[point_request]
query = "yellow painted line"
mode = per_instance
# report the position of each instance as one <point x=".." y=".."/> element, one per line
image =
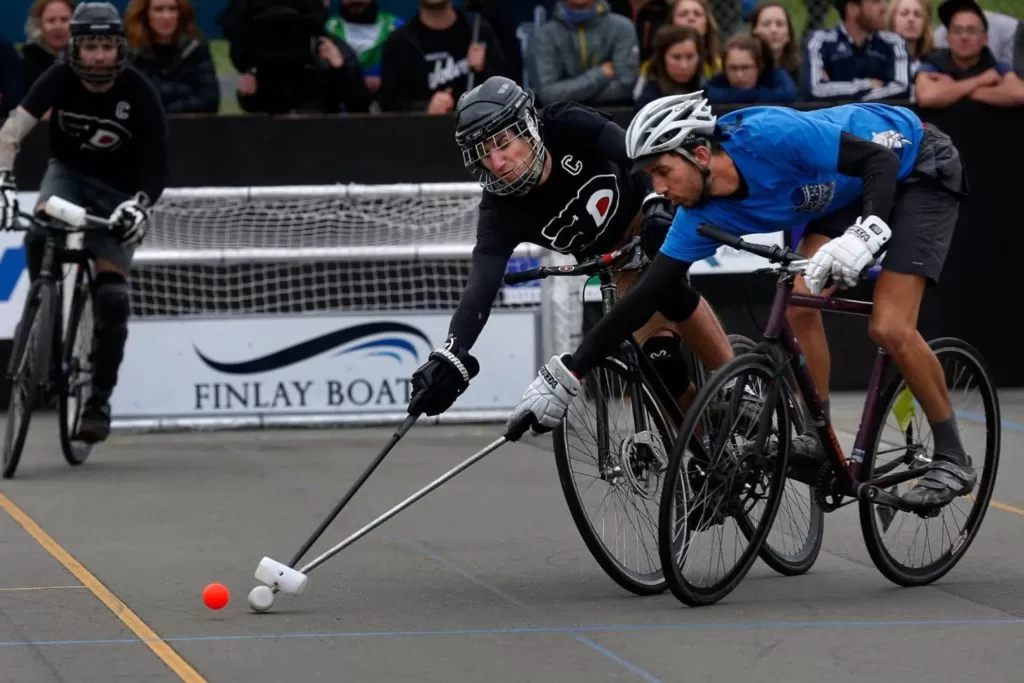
<point x="1006" y="507"/>
<point x="161" y="649"/>
<point x="36" y="588"/>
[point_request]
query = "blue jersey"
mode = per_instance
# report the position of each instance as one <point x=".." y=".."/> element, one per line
<point x="789" y="161"/>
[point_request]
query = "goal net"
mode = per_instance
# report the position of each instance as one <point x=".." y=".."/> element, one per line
<point x="290" y="254"/>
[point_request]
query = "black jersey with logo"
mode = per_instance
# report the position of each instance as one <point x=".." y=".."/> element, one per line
<point x="118" y="137"/>
<point x="584" y="208"/>
<point x="588" y="201"/>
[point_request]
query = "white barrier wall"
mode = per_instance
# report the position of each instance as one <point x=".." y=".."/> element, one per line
<point x="309" y="367"/>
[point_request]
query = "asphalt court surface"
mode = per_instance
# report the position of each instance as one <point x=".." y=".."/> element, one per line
<point x="486" y="579"/>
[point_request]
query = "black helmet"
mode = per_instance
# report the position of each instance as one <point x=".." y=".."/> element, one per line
<point x="491" y="116"/>
<point x="93" y="20"/>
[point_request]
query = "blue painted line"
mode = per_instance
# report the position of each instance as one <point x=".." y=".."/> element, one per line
<point x="451" y="566"/>
<point x="543" y="630"/>
<point x="980" y="418"/>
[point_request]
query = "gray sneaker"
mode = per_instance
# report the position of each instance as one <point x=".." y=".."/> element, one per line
<point x="943" y="482"/>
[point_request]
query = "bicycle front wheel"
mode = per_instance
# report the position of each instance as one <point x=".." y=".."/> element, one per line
<point x="30" y="367"/>
<point x="611" y="450"/>
<point x="77" y="370"/>
<point x="724" y="482"/>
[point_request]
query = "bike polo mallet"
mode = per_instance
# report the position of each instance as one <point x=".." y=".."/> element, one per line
<point x="475" y="7"/>
<point x="275" y="576"/>
<point x="285" y="577"/>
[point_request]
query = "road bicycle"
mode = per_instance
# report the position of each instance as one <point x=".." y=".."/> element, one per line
<point x="42" y="335"/>
<point x="740" y="461"/>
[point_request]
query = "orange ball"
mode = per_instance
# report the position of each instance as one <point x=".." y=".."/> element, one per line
<point x="216" y="596"/>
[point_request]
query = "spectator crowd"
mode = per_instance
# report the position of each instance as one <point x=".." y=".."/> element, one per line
<point x="333" y="56"/>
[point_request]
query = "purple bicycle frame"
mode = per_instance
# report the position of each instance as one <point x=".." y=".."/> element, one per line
<point x="779" y="330"/>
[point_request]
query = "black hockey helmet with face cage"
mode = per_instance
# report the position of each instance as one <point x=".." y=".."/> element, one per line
<point x="491" y="116"/>
<point x="96" y="20"/>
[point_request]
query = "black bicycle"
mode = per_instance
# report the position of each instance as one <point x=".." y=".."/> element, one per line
<point x="619" y="430"/>
<point x="41" y="335"/>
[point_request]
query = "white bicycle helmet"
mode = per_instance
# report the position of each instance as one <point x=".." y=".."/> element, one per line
<point x="670" y="124"/>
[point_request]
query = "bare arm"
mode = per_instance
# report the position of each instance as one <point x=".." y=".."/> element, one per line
<point x="1009" y="93"/>
<point x="17" y="127"/>
<point x="933" y="92"/>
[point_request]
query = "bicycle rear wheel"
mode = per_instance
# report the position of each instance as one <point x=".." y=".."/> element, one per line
<point x="76" y="369"/>
<point x="721" y="471"/>
<point x="611" y="470"/>
<point x="794" y="540"/>
<point x="900" y="444"/>
<point x="29" y="370"/>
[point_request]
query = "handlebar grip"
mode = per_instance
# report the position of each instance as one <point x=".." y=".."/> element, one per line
<point x="720" y="235"/>
<point x="66" y="211"/>
<point x="524" y="276"/>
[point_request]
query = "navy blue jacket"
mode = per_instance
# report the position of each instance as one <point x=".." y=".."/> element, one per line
<point x="834" y="68"/>
<point x="775" y="86"/>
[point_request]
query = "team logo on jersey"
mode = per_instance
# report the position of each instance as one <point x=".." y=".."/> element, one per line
<point x="893" y="139"/>
<point x="813" y="198"/>
<point x="123" y="110"/>
<point x="586" y="216"/>
<point x="92" y="132"/>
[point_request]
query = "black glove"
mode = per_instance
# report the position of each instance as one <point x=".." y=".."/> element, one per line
<point x="658" y="214"/>
<point x="442" y="379"/>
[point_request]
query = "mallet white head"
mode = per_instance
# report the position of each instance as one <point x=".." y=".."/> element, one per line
<point x="261" y="598"/>
<point x="280" y="576"/>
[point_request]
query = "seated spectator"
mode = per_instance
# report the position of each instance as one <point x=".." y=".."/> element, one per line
<point x="750" y="75"/>
<point x="362" y="25"/>
<point x="11" y="79"/>
<point x="675" y="68"/>
<point x="426" y="64"/>
<point x="168" y="48"/>
<point x="288" y="63"/>
<point x="586" y="54"/>
<point x="856" y="60"/>
<point x="697" y="13"/>
<point x="967" y="68"/>
<point x="47" y="35"/>
<point x="772" y="22"/>
<point x="1005" y="38"/>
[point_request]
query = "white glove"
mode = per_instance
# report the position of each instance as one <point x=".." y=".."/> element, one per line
<point x="845" y="258"/>
<point x="8" y="201"/>
<point x="545" y="402"/>
<point x="132" y="220"/>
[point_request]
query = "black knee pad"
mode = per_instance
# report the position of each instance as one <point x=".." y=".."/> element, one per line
<point x="111" y="299"/>
<point x="679" y="304"/>
<point x="666" y="355"/>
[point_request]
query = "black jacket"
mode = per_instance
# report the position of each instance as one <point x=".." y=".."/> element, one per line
<point x="183" y="74"/>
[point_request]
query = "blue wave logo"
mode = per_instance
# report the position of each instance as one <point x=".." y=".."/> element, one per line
<point x="388" y="346"/>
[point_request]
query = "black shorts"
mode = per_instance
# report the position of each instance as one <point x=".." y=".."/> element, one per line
<point x="96" y="197"/>
<point x="925" y="213"/>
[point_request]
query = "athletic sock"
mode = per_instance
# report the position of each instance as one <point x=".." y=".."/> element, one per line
<point x="947" y="441"/>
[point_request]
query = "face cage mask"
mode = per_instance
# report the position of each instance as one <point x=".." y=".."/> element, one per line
<point x="518" y="180"/>
<point x="93" y="74"/>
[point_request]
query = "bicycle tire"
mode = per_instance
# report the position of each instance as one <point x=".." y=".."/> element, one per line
<point x="75" y="452"/>
<point x="901" y="574"/>
<point x="640" y="584"/>
<point x="685" y="591"/>
<point x="32" y="355"/>
<point x="780" y="561"/>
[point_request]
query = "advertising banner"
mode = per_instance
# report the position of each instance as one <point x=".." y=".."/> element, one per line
<point x="305" y="365"/>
